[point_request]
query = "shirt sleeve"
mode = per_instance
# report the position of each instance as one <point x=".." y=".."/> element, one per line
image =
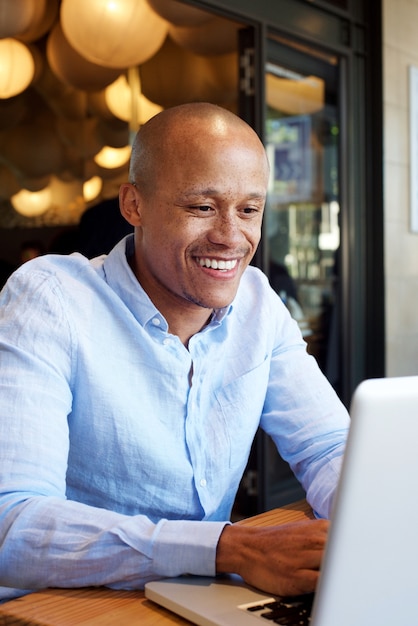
<point x="46" y="539"/>
<point x="305" y="418"/>
<point x="52" y="542"/>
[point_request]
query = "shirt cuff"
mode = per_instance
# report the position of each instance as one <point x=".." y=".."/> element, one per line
<point x="186" y="547"/>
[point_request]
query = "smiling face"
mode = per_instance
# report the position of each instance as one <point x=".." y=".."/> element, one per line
<point x="198" y="211"/>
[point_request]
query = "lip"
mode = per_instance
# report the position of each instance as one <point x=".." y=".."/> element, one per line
<point x="217" y="264"/>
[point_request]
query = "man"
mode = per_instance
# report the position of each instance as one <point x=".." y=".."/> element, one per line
<point x="132" y="385"/>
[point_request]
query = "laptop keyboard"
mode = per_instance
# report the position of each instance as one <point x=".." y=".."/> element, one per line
<point x="291" y="611"/>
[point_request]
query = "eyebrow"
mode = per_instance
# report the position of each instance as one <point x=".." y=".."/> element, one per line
<point x="212" y="191"/>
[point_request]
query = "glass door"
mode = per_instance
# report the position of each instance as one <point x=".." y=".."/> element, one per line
<point x="302" y="223"/>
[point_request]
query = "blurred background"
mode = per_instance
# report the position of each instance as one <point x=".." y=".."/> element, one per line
<point x="78" y="78"/>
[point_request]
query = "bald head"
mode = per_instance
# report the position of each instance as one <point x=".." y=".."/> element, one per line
<point x="177" y="131"/>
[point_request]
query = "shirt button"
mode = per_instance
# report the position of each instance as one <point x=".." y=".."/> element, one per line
<point x="156" y="321"/>
<point x="167" y="341"/>
<point x="203" y="482"/>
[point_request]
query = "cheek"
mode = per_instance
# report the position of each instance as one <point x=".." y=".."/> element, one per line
<point x="166" y="249"/>
<point x="158" y="234"/>
<point x="253" y="234"/>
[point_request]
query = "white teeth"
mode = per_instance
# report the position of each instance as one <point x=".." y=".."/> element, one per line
<point x="218" y="265"/>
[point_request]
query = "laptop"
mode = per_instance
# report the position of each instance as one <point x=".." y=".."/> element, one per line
<point x="369" y="574"/>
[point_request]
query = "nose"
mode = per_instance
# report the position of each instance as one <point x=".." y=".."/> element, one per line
<point x="227" y="230"/>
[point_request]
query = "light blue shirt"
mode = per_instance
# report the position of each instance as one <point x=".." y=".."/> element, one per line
<point x="121" y="450"/>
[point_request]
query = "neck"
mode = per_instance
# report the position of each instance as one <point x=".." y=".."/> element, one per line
<point x="184" y="319"/>
<point x="186" y="326"/>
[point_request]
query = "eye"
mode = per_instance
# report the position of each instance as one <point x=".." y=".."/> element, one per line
<point x="202" y="208"/>
<point x="250" y="211"/>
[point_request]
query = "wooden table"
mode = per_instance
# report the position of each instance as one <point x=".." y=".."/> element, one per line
<point x="105" y="607"/>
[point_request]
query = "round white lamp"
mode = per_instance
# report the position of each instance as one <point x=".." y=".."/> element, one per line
<point x="119" y="98"/>
<point x="17" y="67"/>
<point x="92" y="187"/>
<point x="72" y="68"/>
<point x="112" y="158"/>
<point x="31" y="203"/>
<point x="15" y="17"/>
<point x="130" y="31"/>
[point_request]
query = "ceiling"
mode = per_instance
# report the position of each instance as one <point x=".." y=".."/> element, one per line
<point x="157" y="54"/>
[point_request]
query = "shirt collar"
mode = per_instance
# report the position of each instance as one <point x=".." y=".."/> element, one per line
<point x="124" y="283"/>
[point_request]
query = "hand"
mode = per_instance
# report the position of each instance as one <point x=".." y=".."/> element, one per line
<point x="281" y="560"/>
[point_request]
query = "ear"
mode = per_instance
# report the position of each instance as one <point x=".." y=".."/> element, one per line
<point x="129" y="204"/>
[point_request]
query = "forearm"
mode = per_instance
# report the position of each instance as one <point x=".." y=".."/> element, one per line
<point x="52" y="542"/>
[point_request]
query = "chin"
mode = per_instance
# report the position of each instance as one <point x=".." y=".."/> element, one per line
<point x="213" y="300"/>
<point x="217" y="303"/>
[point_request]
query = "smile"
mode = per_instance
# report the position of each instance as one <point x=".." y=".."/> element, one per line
<point x="215" y="264"/>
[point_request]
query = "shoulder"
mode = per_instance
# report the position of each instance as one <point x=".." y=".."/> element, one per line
<point x="254" y="278"/>
<point x="55" y="266"/>
<point x="49" y="278"/>
<point x="257" y="304"/>
<point x="255" y="289"/>
<point x="259" y="308"/>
